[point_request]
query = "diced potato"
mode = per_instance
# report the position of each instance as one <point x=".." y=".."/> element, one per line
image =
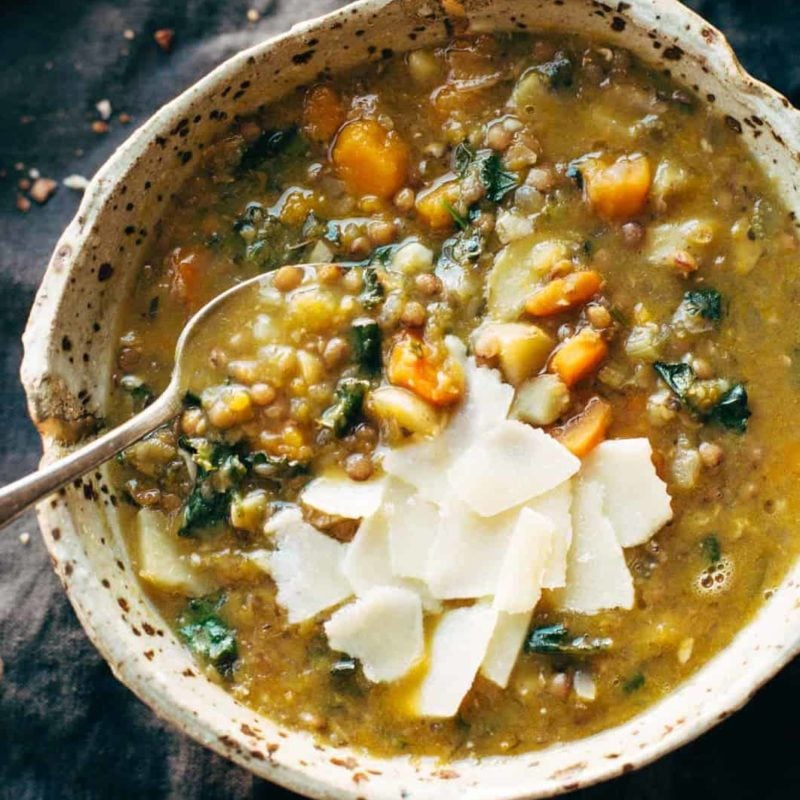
<point x="581" y="434"/>
<point x="370" y="159"/>
<point x="532" y="96"/>
<point x="412" y="258"/>
<point x="519" y="269"/>
<point x="323" y="113"/>
<point x="644" y="342"/>
<point x="670" y="180"/>
<point x="432" y="204"/>
<point x="510" y="226"/>
<point x="160" y="561"/>
<point x="746" y="249"/>
<point x="564" y="294"/>
<point x="541" y="400"/>
<point x="578" y="356"/>
<point x="618" y="191"/>
<point x="680" y="244"/>
<point x="431" y="373"/>
<point x="519" y="349"/>
<point x="393" y="404"/>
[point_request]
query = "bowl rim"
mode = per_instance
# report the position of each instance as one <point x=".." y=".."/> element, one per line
<point x="37" y="345"/>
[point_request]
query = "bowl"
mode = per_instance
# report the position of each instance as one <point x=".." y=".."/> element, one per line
<point x="69" y="353"/>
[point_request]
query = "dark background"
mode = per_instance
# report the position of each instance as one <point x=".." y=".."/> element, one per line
<point x="67" y="728"/>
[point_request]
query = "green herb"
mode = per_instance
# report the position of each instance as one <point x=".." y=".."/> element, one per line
<point x="463" y="157"/>
<point x="372" y="293"/>
<point x="732" y="410"/>
<point x="462" y="223"/>
<point x="382" y="255"/>
<point x="705" y="303"/>
<point x="711" y="548"/>
<point x="556" y="639"/>
<point x="346" y="409"/>
<point x="268" y="145"/>
<point x="497" y="181"/>
<point x="634" y="683"/>
<point x="191" y="400"/>
<point x="679" y="377"/>
<point x="205" y="508"/>
<point x="558" y="73"/>
<point x="367" y="346"/>
<point x="207" y="634"/>
<point x="574" y="174"/>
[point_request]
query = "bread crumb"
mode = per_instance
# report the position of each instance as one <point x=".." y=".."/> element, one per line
<point x="164" y="38"/>
<point x="76" y="182"/>
<point x="253" y="15"/>
<point x="129" y="34"/>
<point x="23" y="204"/>
<point x="25" y="537"/>
<point x="103" y="109"/>
<point x="43" y="189"/>
<point x="99" y="126"/>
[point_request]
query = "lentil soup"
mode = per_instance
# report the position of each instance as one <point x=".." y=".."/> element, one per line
<point x="539" y="223"/>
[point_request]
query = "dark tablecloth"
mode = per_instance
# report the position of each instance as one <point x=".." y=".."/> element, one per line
<point x="68" y="730"/>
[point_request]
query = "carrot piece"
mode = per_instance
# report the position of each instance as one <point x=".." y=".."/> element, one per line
<point x="562" y="294"/>
<point x="578" y="356"/>
<point x="581" y="434"/>
<point x="432" y="204"/>
<point x="430" y="373"/>
<point x="187" y="268"/>
<point x="618" y="191"/>
<point x="323" y="113"/>
<point x="370" y="159"/>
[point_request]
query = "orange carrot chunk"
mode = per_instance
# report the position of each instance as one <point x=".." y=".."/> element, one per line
<point x="563" y="294"/>
<point x="579" y="356"/>
<point x="434" y="204"/>
<point x="581" y="434"/>
<point x="323" y="113"/>
<point x="430" y="373"/>
<point x="618" y="191"/>
<point x="370" y="159"/>
<point x="188" y="270"/>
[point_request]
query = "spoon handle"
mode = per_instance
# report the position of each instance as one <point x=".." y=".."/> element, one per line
<point x="19" y="495"/>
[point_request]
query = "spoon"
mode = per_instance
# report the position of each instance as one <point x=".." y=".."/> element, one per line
<point x="194" y="344"/>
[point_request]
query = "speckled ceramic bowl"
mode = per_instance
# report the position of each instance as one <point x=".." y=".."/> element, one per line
<point x="69" y="346"/>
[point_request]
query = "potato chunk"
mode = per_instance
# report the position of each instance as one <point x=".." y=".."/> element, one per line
<point x="519" y="349"/>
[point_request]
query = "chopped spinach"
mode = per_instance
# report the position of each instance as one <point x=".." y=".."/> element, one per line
<point x="140" y="393"/>
<point x="705" y="303"/>
<point x="679" y="377"/>
<point x="207" y="634"/>
<point x="711" y="548"/>
<point x="556" y="639"/>
<point x="366" y="336"/>
<point x="268" y="145"/>
<point x="634" y="683"/>
<point x="346" y="409"/>
<point x="205" y="508"/>
<point x="558" y="72"/>
<point x="372" y="293"/>
<point x="732" y="411"/>
<point x="191" y="400"/>
<point x="496" y="180"/>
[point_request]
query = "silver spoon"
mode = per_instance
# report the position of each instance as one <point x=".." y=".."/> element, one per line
<point x="194" y="341"/>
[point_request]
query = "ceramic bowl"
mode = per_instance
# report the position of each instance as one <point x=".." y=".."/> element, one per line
<point x="69" y="354"/>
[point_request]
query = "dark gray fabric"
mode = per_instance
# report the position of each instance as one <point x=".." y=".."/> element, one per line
<point x="68" y="730"/>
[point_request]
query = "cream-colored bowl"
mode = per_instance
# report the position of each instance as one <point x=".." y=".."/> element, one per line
<point x="69" y="352"/>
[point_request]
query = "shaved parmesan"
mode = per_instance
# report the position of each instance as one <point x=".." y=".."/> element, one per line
<point x="519" y="586"/>
<point x="556" y="505"/>
<point x="457" y="649"/>
<point x="367" y="561"/>
<point x="306" y="567"/>
<point x="636" y="500"/>
<point x="509" y="465"/>
<point x="504" y="646"/>
<point x="468" y="552"/>
<point x="340" y="496"/>
<point x="597" y="575"/>
<point x="412" y="525"/>
<point x="383" y="630"/>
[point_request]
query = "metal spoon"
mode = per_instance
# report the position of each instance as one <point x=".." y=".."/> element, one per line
<point x="195" y="340"/>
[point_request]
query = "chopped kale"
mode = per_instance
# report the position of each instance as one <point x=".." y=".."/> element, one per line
<point x="382" y="255"/>
<point x="268" y="145"/>
<point x="559" y="72"/>
<point x="191" y="400"/>
<point x="366" y="336"/>
<point x="634" y="683"/>
<point x="705" y="303"/>
<point x="497" y="181"/>
<point x="732" y="410"/>
<point x="346" y="409"/>
<point x="679" y="377"/>
<point x="207" y="634"/>
<point x="711" y="548"/>
<point x="140" y="393"/>
<point x="556" y="639"/>
<point x="372" y="293"/>
<point x="205" y="508"/>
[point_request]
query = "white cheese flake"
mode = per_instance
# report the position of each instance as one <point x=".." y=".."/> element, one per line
<point x="519" y="585"/>
<point x="504" y="646"/>
<point x="306" y="567"/>
<point x="412" y="525"/>
<point x="340" y="496"/>
<point x="383" y="630"/>
<point x="367" y="563"/>
<point x="556" y="505"/>
<point x="636" y="500"/>
<point x="597" y="575"/>
<point x="458" y="648"/>
<point x="509" y="465"/>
